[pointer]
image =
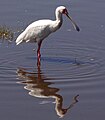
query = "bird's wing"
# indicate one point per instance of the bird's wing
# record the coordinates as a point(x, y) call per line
point(34, 32)
point(28, 35)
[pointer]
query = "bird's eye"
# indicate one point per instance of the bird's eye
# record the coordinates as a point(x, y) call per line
point(64, 11)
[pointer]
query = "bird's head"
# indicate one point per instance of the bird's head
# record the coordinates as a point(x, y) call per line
point(64, 11)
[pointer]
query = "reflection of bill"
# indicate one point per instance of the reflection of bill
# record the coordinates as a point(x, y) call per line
point(38, 87)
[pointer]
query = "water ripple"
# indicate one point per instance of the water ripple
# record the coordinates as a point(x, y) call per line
point(81, 72)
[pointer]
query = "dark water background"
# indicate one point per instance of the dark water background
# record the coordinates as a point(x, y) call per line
point(72, 63)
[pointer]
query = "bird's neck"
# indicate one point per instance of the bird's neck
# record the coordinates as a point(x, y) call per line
point(58, 21)
point(58, 16)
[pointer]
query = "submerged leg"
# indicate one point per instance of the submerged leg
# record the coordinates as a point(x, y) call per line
point(38, 54)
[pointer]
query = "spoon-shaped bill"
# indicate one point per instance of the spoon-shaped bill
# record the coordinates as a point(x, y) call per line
point(74, 24)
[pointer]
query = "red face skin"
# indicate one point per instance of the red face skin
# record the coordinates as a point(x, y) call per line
point(74, 24)
point(65, 11)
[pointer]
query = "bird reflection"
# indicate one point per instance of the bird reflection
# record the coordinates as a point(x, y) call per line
point(38, 86)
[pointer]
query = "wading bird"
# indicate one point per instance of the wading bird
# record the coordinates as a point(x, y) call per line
point(39, 30)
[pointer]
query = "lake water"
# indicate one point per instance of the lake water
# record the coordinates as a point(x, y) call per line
point(71, 79)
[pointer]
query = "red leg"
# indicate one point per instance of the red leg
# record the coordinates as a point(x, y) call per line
point(38, 53)
point(38, 62)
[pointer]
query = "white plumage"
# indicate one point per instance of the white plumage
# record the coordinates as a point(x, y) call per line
point(38, 30)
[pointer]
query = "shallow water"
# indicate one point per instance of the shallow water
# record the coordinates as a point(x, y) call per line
point(72, 64)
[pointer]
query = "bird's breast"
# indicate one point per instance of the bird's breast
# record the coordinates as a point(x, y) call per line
point(56, 25)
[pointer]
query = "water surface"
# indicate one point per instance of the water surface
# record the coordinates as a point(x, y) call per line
point(72, 64)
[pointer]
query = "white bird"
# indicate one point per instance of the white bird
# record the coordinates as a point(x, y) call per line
point(39, 30)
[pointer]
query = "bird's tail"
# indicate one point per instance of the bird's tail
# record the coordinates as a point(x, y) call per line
point(20, 39)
